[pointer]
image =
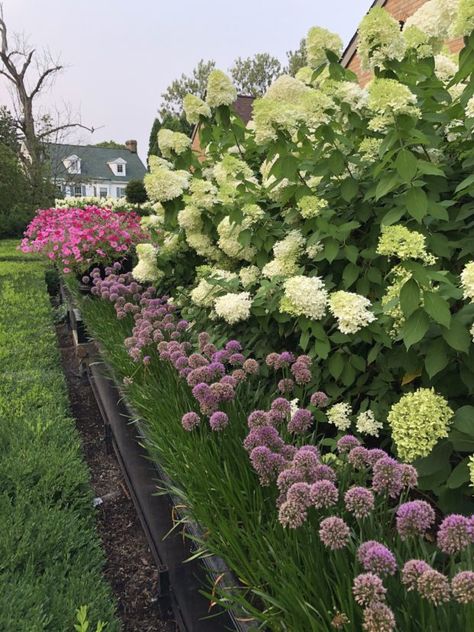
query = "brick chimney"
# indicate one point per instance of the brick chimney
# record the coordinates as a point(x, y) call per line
point(131, 145)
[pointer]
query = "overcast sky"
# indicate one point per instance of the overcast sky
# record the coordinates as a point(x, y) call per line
point(122, 54)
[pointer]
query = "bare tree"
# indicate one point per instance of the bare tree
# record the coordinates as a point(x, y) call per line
point(30, 73)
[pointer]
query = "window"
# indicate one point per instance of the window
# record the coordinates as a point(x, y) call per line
point(78, 190)
point(103, 192)
point(120, 192)
point(119, 168)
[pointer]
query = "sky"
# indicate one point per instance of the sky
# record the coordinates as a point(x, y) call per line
point(120, 55)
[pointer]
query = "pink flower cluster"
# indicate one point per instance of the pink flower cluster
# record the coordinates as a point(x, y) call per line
point(79, 238)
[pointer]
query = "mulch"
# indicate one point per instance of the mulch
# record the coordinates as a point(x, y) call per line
point(130, 568)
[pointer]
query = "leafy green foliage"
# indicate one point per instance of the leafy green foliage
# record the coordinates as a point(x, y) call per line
point(135, 192)
point(253, 75)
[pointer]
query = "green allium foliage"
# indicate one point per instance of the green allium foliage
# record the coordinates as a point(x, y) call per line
point(361, 224)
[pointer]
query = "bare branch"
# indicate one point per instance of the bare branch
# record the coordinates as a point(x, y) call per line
point(42, 78)
point(60, 128)
point(5, 74)
point(3, 31)
point(27, 62)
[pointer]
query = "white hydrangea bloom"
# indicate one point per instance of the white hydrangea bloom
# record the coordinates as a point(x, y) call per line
point(351, 311)
point(220, 90)
point(146, 269)
point(369, 149)
point(464, 23)
point(318, 40)
point(290, 247)
point(189, 218)
point(367, 424)
point(314, 249)
point(379, 39)
point(229, 233)
point(204, 294)
point(203, 245)
point(387, 98)
point(434, 18)
point(163, 184)
point(305, 75)
point(151, 221)
point(311, 206)
point(194, 107)
point(399, 241)
point(352, 94)
point(287, 89)
point(339, 416)
point(231, 171)
point(253, 211)
point(467, 281)
point(171, 142)
point(304, 296)
point(249, 275)
point(233, 307)
point(203, 193)
point(445, 68)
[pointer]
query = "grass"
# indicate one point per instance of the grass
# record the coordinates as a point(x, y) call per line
point(50, 556)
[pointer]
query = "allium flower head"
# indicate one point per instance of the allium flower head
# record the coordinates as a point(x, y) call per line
point(257, 418)
point(190, 421)
point(339, 415)
point(318, 40)
point(378, 617)
point(292, 515)
point(414, 518)
point(351, 311)
point(412, 571)
point(347, 442)
point(434, 587)
point(462, 586)
point(304, 296)
point(220, 90)
point(334, 533)
point(418, 420)
point(323, 472)
point(358, 457)
point(455, 533)
point(323, 494)
point(379, 39)
point(368, 589)
point(267, 464)
point(359, 501)
point(300, 421)
point(219, 420)
point(377, 558)
point(409, 476)
point(286, 385)
point(319, 399)
point(251, 366)
point(194, 107)
point(387, 477)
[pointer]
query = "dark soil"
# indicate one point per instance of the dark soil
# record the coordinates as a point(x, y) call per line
point(130, 568)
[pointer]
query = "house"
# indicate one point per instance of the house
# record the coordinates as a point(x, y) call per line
point(85, 170)
point(400, 10)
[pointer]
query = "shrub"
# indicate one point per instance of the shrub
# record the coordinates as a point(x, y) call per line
point(135, 192)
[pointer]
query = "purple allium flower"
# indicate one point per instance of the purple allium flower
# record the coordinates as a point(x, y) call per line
point(377, 558)
point(434, 587)
point(359, 501)
point(287, 478)
point(306, 461)
point(323, 494)
point(414, 518)
point(286, 385)
point(374, 455)
point(209, 350)
point(334, 533)
point(267, 464)
point(182, 363)
point(203, 339)
point(305, 360)
point(190, 420)
point(409, 476)
point(257, 418)
point(299, 493)
point(220, 356)
point(368, 589)
point(347, 443)
point(236, 359)
point(239, 375)
point(222, 392)
point(319, 399)
point(219, 420)
point(323, 472)
point(215, 370)
point(378, 617)
point(228, 379)
point(387, 477)
point(197, 360)
point(263, 435)
point(292, 515)
point(300, 422)
point(182, 325)
point(455, 533)
point(412, 571)
point(272, 359)
point(185, 372)
point(301, 373)
point(233, 346)
point(146, 360)
point(284, 359)
point(358, 457)
point(281, 405)
point(462, 586)
point(251, 366)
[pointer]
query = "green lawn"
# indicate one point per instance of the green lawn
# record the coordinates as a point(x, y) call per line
point(50, 556)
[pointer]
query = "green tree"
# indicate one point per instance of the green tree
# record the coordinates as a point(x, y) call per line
point(173, 122)
point(110, 144)
point(15, 207)
point(136, 192)
point(8, 130)
point(253, 75)
point(296, 59)
point(172, 97)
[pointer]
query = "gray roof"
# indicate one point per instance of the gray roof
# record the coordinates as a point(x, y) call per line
point(94, 162)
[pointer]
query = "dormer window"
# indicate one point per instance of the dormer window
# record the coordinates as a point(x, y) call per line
point(72, 164)
point(118, 167)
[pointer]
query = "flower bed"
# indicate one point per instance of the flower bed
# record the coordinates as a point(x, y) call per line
point(310, 319)
point(51, 557)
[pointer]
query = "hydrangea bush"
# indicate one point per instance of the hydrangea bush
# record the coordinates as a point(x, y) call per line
point(338, 222)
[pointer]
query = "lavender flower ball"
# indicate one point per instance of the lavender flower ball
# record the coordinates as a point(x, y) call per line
point(378, 617)
point(387, 477)
point(219, 420)
point(323, 472)
point(286, 385)
point(434, 586)
point(323, 494)
point(250, 366)
point(190, 420)
point(233, 346)
point(359, 458)
point(300, 422)
point(462, 586)
point(292, 515)
point(374, 455)
point(368, 589)
point(409, 476)
point(414, 518)
point(412, 571)
point(359, 501)
point(300, 493)
point(334, 533)
point(236, 359)
point(257, 418)
point(319, 399)
point(455, 533)
point(346, 443)
point(376, 558)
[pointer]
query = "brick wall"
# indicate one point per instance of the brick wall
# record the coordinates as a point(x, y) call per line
point(401, 10)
